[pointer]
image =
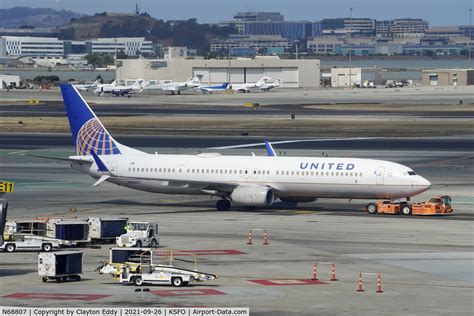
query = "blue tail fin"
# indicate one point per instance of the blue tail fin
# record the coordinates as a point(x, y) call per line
point(87, 131)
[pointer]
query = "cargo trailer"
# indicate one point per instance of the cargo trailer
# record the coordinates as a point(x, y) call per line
point(60, 266)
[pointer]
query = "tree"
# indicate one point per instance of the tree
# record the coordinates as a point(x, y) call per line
point(99, 60)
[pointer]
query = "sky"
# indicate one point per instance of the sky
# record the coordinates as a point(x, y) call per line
point(437, 12)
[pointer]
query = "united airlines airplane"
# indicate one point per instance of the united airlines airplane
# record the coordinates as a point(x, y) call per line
point(235, 180)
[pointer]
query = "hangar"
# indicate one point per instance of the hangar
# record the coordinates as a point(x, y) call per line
point(294, 73)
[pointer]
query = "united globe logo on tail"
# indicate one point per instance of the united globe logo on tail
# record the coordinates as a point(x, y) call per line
point(93, 137)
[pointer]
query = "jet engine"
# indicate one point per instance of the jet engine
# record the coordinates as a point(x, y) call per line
point(253, 195)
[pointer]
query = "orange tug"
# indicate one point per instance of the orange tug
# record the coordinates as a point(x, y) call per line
point(435, 206)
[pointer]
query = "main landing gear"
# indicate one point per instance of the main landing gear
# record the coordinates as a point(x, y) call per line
point(223, 205)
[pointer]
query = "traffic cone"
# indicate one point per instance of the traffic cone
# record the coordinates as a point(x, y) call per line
point(359, 284)
point(265, 238)
point(249, 240)
point(333, 272)
point(315, 272)
point(379, 284)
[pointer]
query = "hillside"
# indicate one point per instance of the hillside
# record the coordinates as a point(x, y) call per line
point(35, 17)
point(177, 33)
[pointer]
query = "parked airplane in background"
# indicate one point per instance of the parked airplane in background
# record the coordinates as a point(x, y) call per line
point(87, 87)
point(210, 89)
point(248, 87)
point(175, 87)
point(119, 90)
point(268, 84)
point(240, 180)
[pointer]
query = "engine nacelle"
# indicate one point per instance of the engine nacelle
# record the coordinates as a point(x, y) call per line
point(253, 195)
point(296, 199)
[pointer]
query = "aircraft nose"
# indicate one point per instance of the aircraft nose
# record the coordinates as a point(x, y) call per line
point(424, 183)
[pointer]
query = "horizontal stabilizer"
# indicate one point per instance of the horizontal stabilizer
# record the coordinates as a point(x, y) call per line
point(101, 179)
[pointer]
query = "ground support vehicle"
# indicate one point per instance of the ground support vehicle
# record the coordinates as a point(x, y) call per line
point(140, 234)
point(16, 242)
point(162, 274)
point(60, 266)
point(435, 206)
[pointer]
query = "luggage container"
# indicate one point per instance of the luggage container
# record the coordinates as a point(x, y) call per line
point(60, 266)
point(35, 227)
point(106, 229)
point(119, 256)
point(68, 231)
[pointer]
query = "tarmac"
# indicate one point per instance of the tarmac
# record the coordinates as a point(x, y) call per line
point(426, 263)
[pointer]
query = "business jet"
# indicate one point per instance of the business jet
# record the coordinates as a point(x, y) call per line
point(268, 85)
point(119, 90)
point(256, 181)
point(210, 89)
point(87, 87)
point(175, 87)
point(249, 86)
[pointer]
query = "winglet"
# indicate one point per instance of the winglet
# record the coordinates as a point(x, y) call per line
point(270, 151)
point(99, 163)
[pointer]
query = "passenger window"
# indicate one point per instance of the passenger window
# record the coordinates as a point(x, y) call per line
point(292, 173)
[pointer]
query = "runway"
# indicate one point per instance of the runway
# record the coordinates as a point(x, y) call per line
point(56, 109)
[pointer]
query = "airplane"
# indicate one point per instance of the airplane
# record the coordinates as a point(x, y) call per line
point(249, 86)
point(87, 86)
point(175, 87)
point(119, 90)
point(267, 85)
point(253, 181)
point(211, 89)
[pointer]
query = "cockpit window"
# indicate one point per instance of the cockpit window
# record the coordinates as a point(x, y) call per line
point(411, 173)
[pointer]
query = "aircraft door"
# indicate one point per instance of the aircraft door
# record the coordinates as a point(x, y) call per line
point(379, 175)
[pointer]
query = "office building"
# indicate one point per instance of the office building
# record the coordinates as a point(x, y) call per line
point(249, 41)
point(131, 46)
point(408, 27)
point(29, 46)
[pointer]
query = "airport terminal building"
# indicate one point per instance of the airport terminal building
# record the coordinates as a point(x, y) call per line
point(294, 73)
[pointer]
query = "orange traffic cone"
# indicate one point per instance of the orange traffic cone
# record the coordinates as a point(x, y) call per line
point(315, 272)
point(379, 284)
point(359, 284)
point(265, 238)
point(333, 272)
point(249, 241)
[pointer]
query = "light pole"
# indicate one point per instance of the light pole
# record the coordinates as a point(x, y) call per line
point(350, 50)
point(470, 38)
point(296, 48)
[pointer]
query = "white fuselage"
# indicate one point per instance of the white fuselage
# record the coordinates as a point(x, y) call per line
point(287, 176)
